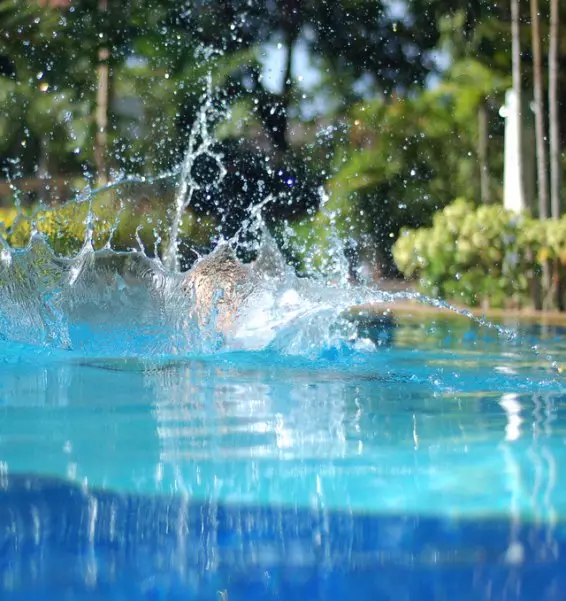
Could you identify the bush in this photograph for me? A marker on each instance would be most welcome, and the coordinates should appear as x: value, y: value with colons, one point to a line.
x: 65, y: 227
x: 485, y: 255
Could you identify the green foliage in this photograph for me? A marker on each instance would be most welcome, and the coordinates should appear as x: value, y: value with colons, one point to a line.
x: 309, y: 244
x: 126, y: 225
x: 409, y: 156
x: 481, y: 254
x: 411, y: 147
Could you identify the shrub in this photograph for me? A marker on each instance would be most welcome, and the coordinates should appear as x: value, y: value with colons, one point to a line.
x: 483, y: 255
x: 65, y: 227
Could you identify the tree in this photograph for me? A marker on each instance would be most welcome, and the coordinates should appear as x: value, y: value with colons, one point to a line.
x: 102, y: 95
x: 392, y: 173
x: 41, y: 121
x: 553, y: 74
x: 88, y: 50
x: 483, y: 151
x: 542, y: 163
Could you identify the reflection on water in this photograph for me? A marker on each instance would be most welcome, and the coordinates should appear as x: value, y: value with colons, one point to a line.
x: 399, y: 474
x: 400, y: 431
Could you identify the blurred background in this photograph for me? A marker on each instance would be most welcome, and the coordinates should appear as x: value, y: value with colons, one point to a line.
x: 395, y: 107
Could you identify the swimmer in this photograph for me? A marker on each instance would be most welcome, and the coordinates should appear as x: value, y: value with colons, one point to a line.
x: 219, y: 288
x: 219, y: 281
x: 221, y: 285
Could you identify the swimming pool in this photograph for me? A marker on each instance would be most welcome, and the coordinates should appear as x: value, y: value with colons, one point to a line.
x: 428, y: 468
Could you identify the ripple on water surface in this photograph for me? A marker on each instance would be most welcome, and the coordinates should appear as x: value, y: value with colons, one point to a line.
x: 426, y: 469
x: 468, y: 428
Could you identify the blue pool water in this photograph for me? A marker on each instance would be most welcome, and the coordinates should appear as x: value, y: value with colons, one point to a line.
x: 429, y: 468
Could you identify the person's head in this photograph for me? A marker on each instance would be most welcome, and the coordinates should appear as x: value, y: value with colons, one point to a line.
x: 219, y: 284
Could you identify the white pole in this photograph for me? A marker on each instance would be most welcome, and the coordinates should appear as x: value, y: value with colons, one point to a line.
x: 513, y: 188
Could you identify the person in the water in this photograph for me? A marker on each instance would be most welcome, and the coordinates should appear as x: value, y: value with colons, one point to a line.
x: 220, y: 285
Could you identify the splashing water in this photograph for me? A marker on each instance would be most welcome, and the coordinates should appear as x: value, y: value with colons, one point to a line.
x: 101, y: 301
x: 200, y: 145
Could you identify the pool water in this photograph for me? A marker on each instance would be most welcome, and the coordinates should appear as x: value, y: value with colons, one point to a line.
x: 428, y: 468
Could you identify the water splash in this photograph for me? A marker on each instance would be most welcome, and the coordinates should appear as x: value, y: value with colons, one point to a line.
x: 201, y: 144
x: 130, y: 303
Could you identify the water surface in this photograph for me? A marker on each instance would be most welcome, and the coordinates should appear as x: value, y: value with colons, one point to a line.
x: 448, y: 418
x: 424, y: 468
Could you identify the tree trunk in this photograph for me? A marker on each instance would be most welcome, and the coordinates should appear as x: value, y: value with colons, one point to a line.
x: 516, y: 57
x: 101, y: 116
x: 542, y: 162
x: 483, y: 136
x: 554, y: 110
x: 291, y: 29
x: 43, y: 195
x: 287, y: 89
x: 540, y: 143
